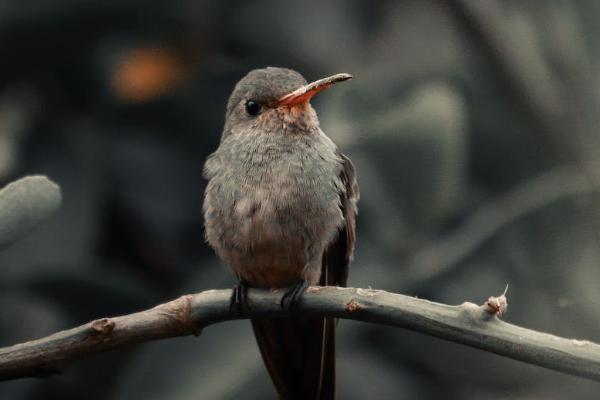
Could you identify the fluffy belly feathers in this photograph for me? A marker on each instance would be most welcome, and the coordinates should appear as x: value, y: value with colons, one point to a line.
x: 271, y: 210
x: 270, y: 244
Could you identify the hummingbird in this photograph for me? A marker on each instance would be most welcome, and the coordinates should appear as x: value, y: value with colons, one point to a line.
x: 280, y: 210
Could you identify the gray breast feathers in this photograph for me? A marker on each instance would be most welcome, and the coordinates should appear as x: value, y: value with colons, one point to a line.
x: 277, y: 194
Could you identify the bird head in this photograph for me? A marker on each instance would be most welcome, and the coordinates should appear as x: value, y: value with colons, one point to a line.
x: 275, y: 100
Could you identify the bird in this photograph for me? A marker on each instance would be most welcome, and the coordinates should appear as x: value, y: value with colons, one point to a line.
x: 280, y: 209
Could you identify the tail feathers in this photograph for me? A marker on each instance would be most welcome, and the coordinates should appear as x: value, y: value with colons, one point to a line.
x: 299, y: 355
x: 328, y: 366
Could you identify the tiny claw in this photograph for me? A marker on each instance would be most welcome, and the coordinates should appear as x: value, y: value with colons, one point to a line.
x: 239, y: 298
x: 291, y: 299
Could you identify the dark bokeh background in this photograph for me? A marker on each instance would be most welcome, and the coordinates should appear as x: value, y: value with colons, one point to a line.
x: 473, y: 125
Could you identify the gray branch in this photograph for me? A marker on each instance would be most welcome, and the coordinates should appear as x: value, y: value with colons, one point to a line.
x: 25, y: 204
x: 469, y: 324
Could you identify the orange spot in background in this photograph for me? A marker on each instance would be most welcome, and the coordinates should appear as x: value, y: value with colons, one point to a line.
x: 143, y: 74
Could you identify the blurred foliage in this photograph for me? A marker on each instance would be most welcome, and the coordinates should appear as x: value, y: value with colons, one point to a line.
x: 24, y: 204
x: 457, y: 108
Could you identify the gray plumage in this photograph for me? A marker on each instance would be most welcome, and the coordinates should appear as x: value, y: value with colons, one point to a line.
x: 273, y: 201
x: 280, y: 210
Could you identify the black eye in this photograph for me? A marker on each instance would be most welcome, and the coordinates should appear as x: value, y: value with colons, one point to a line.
x: 252, y: 107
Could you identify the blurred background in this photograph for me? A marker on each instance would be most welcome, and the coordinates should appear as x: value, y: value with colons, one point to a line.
x: 473, y: 125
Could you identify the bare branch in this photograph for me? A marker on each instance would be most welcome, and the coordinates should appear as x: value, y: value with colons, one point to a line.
x: 469, y: 324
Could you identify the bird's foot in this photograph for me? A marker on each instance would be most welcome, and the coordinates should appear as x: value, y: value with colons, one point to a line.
x: 291, y: 299
x: 239, y: 298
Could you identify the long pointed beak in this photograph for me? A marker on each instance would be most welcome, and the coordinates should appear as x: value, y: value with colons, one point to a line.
x: 305, y: 93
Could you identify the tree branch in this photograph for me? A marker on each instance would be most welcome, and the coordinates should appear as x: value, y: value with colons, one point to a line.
x: 469, y: 324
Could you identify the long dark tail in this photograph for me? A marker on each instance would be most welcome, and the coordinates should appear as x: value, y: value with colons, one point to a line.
x: 299, y: 355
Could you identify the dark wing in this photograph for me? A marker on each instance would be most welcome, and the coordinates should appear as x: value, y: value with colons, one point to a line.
x: 336, y: 261
x: 338, y: 255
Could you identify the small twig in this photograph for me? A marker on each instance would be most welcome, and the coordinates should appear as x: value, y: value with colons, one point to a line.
x: 467, y: 323
x: 497, y: 305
